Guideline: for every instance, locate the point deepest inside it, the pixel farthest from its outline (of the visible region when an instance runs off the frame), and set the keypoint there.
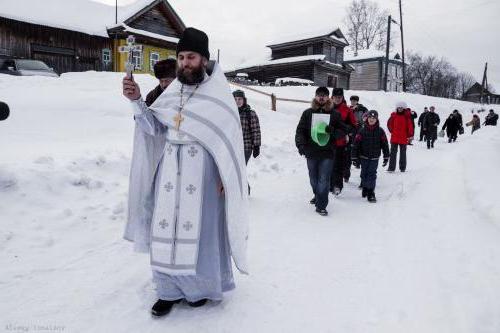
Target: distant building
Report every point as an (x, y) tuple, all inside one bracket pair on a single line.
[(81, 35), (478, 94), (315, 57), (369, 70)]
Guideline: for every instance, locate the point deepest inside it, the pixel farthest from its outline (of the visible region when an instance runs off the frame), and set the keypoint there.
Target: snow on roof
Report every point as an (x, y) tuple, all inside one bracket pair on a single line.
[(149, 34), (281, 61), (293, 79), (307, 35), (85, 16), (367, 54)]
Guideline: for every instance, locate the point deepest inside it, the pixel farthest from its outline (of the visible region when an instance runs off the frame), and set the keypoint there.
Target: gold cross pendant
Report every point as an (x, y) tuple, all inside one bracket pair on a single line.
[(178, 119)]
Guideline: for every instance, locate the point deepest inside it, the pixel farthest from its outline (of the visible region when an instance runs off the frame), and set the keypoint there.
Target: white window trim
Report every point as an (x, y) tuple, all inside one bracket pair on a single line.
[(108, 53), (151, 64), (138, 59)]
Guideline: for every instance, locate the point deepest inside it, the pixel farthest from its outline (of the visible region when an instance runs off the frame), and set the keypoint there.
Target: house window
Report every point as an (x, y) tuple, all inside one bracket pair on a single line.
[(309, 50), (332, 81), (154, 57), (333, 54), (137, 60), (106, 56)]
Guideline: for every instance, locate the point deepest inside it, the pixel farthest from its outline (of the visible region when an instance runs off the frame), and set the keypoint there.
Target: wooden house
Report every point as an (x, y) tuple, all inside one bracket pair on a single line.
[(81, 35), (317, 57), (369, 70), (478, 94)]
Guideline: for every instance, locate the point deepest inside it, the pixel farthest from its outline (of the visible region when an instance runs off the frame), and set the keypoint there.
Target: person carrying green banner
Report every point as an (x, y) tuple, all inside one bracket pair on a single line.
[(313, 139)]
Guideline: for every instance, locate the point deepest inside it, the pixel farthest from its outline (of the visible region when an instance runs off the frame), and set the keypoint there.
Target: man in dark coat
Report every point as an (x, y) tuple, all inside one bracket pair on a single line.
[(165, 72), (342, 165), (431, 123), (319, 157), (369, 141), (491, 119), (401, 129), (451, 125), (421, 123), (460, 121)]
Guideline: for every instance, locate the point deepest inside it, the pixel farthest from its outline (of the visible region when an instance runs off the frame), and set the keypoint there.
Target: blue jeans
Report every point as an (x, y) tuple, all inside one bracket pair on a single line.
[(319, 175), (369, 173)]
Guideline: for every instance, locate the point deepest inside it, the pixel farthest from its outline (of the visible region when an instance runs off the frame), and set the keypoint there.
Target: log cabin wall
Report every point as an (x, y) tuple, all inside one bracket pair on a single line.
[(63, 50)]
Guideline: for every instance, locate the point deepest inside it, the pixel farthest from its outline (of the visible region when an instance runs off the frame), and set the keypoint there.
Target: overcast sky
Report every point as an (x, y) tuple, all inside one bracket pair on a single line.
[(463, 31)]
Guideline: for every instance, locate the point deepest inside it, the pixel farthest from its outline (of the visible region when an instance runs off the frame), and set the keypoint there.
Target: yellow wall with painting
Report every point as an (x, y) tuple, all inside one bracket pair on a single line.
[(121, 58)]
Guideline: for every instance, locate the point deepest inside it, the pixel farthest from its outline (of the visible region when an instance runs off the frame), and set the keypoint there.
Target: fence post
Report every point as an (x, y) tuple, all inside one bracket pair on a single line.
[(273, 102)]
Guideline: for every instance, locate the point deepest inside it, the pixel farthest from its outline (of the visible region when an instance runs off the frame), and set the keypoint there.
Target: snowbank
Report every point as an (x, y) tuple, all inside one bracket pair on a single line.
[(425, 258)]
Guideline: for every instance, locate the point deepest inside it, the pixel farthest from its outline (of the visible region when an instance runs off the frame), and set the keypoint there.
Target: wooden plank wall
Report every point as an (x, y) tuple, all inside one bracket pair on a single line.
[(16, 39)]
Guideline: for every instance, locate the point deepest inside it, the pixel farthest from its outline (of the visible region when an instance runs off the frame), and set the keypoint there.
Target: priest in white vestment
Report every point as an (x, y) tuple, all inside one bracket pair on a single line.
[(187, 195)]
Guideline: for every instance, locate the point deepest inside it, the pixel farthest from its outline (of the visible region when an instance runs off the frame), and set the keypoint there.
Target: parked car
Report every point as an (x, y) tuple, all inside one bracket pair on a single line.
[(25, 67)]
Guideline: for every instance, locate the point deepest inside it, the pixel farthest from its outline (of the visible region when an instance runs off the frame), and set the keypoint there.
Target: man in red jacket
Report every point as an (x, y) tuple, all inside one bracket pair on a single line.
[(401, 128), (342, 162)]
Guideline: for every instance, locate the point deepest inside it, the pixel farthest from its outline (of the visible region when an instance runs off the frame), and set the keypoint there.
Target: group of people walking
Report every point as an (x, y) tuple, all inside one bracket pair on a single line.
[(333, 136)]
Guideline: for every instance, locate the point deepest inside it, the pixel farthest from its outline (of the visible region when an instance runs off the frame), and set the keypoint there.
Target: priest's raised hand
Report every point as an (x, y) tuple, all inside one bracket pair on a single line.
[(131, 89)]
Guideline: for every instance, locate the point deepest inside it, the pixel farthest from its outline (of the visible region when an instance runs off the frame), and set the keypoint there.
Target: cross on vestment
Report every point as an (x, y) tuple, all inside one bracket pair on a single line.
[(178, 119)]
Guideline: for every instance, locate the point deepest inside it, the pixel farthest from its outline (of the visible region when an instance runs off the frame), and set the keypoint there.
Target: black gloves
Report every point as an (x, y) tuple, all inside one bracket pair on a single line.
[(356, 163), (256, 151), (302, 150), (386, 160)]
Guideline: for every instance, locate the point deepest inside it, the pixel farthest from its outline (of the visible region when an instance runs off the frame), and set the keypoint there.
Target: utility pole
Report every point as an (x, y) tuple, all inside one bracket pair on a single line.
[(386, 76), (484, 84), (218, 55), (402, 45), (116, 12)]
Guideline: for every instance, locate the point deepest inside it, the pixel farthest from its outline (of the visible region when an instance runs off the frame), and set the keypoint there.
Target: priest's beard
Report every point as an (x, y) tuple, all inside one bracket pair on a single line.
[(191, 76)]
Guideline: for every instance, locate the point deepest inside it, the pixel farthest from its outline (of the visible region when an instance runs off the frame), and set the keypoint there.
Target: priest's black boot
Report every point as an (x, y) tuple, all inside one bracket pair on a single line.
[(197, 304), (162, 307)]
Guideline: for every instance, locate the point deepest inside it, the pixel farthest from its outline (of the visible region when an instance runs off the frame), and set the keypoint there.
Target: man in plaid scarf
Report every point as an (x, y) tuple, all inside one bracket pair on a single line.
[(249, 124)]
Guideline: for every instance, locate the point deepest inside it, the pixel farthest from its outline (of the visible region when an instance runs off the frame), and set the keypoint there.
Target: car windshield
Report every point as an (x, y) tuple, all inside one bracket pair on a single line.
[(31, 65)]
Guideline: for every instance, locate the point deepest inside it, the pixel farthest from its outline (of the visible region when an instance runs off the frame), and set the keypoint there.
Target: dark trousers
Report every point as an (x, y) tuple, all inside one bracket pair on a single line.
[(422, 134), (394, 154), (452, 136), (430, 142), (338, 168), (248, 154), (319, 176), (347, 162), (369, 173)]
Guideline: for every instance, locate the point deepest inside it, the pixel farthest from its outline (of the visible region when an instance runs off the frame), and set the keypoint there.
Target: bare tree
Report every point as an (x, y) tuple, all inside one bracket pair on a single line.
[(366, 25), (354, 22), (375, 26), (465, 81), (436, 77)]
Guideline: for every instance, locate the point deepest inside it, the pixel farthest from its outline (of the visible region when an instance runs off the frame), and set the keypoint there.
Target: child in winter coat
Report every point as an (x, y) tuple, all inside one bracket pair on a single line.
[(368, 143), (475, 123)]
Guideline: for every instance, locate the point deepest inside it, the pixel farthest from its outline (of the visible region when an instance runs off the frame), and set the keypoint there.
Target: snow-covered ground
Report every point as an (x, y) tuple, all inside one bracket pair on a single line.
[(425, 258)]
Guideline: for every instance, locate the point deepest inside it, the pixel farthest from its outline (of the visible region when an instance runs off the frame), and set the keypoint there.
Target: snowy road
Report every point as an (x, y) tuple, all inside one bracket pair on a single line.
[(425, 258)]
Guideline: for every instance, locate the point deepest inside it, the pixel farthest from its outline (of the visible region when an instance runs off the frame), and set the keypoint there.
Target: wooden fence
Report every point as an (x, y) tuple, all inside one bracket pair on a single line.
[(274, 98)]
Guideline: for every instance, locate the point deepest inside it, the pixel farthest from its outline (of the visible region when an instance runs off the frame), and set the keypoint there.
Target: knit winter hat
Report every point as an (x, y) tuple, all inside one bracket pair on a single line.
[(165, 68), (338, 92), (194, 40), (372, 113), (322, 91), (239, 93), (401, 104)]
